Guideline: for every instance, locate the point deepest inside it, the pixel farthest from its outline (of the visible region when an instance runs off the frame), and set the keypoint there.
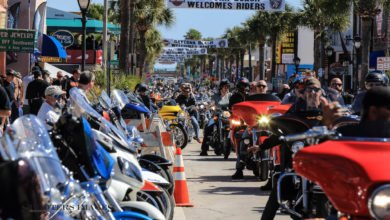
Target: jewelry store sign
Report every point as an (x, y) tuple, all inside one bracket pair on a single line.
[(18, 40)]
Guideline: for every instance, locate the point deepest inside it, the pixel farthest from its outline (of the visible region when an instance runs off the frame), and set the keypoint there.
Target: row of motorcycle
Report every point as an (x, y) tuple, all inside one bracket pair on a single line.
[(317, 173), (87, 166)]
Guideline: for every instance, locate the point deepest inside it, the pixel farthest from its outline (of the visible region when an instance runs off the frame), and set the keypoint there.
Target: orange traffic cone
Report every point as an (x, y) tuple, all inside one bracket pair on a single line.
[(181, 194)]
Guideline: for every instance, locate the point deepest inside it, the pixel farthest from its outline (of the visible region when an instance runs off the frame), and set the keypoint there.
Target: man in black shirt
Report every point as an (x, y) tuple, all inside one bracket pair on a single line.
[(35, 92), (59, 80), (241, 94)]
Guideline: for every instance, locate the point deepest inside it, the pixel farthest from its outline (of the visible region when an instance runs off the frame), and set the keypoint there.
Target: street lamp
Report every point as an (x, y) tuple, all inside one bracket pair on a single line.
[(296, 61), (84, 5), (329, 52), (357, 42)]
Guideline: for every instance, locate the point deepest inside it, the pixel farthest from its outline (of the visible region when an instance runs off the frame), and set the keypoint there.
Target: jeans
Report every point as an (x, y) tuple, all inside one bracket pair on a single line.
[(195, 124), (208, 130)]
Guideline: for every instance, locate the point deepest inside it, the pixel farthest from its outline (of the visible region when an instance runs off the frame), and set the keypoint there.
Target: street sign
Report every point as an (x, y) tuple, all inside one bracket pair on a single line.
[(65, 37), (18, 40), (383, 63), (114, 64)]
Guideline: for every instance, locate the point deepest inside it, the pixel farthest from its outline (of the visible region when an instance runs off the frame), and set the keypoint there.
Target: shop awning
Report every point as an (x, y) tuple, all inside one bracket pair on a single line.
[(74, 25), (51, 47)]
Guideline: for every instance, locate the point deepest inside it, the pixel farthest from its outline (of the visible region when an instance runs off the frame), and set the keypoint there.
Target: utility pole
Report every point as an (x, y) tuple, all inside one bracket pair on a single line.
[(105, 48)]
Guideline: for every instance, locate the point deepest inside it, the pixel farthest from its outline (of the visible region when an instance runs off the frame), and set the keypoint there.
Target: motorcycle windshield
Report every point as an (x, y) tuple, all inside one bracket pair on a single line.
[(80, 107), (34, 143), (119, 98), (105, 100), (122, 100)]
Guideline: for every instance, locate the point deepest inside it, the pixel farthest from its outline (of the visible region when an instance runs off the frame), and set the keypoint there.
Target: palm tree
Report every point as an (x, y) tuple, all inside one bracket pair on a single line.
[(154, 46), (194, 62), (124, 38), (323, 16), (148, 14), (236, 46)]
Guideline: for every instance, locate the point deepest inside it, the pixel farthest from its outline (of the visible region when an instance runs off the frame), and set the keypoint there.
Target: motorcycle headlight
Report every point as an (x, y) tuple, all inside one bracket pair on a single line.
[(213, 108), (247, 141), (379, 202), (226, 114), (264, 120), (296, 146), (201, 106), (129, 169), (236, 122)]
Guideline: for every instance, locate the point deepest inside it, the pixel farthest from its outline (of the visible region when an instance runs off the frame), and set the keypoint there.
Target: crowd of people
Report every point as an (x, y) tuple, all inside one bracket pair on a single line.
[(37, 93)]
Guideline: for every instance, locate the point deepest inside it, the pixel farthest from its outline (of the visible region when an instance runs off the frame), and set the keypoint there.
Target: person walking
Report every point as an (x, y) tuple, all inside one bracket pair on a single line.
[(19, 98), (9, 87), (36, 92)]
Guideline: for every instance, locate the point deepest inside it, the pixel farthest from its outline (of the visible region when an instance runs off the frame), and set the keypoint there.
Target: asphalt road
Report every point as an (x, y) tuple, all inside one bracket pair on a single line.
[(214, 194)]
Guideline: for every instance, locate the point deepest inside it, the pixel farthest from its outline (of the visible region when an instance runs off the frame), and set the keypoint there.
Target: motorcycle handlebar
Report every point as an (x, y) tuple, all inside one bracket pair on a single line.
[(316, 132)]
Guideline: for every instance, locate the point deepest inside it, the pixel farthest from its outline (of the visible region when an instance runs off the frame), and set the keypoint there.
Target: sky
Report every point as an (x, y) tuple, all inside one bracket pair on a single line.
[(211, 23)]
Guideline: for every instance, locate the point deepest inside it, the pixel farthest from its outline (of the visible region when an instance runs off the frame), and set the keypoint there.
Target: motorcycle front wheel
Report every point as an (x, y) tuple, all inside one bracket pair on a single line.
[(180, 134)]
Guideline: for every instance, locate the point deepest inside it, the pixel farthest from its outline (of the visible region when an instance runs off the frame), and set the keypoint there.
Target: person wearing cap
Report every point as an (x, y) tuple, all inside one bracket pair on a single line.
[(295, 93), (35, 92), (72, 82), (47, 112), (308, 109)]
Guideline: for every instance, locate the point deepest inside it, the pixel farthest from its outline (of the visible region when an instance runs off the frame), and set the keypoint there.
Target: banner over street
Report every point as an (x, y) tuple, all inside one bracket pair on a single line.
[(257, 5), (218, 43)]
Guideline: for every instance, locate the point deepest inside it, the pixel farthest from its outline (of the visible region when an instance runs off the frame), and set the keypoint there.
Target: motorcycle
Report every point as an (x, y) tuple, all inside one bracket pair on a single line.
[(152, 162), (219, 138), (128, 174), (174, 117), (257, 113), (372, 181)]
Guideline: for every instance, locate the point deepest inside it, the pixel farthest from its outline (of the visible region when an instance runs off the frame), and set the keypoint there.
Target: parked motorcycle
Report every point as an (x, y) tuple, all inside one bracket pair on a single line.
[(174, 117), (124, 153)]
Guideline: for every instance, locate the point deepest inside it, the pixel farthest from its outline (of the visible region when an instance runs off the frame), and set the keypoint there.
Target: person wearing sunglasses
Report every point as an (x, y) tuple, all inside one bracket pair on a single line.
[(308, 110), (372, 80), (335, 91), (47, 112), (261, 87)]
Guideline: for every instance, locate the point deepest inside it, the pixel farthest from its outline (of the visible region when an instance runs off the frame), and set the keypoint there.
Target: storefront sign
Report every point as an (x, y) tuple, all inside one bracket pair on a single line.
[(64, 37), (288, 48), (51, 59), (218, 43), (18, 40), (91, 56), (383, 63), (257, 5)]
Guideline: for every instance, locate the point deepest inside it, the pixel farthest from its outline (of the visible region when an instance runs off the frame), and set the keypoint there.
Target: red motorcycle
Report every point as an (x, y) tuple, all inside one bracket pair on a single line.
[(251, 119), (352, 172)]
